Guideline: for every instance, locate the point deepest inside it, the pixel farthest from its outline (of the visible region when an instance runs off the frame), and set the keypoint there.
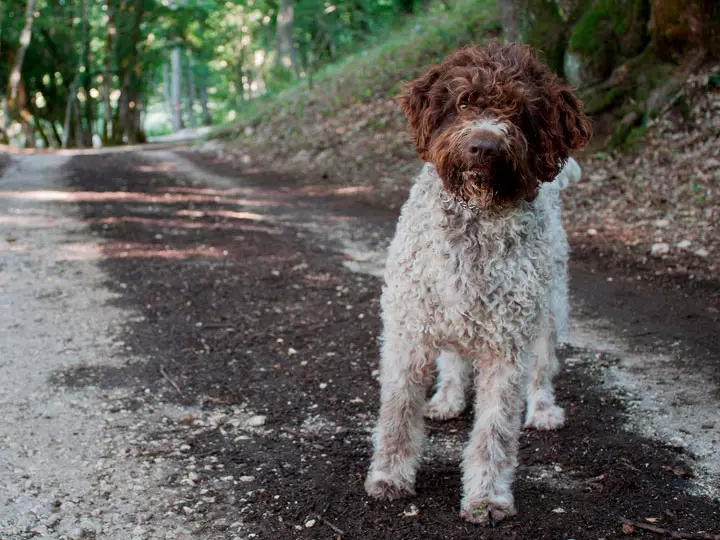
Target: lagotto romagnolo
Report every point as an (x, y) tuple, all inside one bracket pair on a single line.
[(476, 276)]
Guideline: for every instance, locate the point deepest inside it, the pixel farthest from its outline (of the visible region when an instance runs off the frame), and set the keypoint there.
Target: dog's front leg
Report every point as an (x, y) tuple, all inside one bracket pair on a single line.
[(399, 436), (491, 455)]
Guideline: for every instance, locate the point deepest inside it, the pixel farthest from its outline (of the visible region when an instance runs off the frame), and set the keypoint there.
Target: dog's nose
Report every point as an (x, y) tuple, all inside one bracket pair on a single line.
[(479, 145)]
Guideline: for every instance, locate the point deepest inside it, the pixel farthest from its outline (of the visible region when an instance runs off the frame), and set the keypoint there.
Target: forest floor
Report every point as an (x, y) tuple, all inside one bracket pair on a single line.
[(189, 349)]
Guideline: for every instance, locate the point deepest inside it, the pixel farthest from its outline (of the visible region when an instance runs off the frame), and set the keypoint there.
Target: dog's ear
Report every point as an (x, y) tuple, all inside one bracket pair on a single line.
[(565, 129), (415, 102), (573, 123)]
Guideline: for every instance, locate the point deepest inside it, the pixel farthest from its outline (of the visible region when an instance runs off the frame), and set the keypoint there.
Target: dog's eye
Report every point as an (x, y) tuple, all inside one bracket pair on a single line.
[(463, 104)]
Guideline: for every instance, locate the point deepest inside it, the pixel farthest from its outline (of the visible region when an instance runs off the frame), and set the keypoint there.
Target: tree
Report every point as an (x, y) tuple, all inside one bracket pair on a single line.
[(287, 56)]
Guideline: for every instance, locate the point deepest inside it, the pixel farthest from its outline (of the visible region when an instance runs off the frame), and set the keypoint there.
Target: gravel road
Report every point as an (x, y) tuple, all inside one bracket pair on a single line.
[(190, 351)]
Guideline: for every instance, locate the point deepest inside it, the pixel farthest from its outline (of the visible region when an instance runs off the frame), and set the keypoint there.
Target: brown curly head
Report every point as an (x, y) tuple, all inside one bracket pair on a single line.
[(495, 121)]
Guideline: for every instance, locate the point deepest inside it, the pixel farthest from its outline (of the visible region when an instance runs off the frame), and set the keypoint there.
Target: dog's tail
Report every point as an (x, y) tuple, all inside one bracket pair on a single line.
[(569, 174)]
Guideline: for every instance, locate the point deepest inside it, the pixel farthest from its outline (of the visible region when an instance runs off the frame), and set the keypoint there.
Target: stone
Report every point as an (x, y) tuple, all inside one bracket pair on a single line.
[(660, 249)]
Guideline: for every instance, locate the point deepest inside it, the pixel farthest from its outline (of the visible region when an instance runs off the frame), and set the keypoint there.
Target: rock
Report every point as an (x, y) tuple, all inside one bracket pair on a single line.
[(662, 223), (76, 533), (712, 163), (412, 511), (256, 421), (247, 479), (323, 156), (659, 249), (702, 252), (592, 232), (310, 523), (303, 156), (52, 521), (684, 244)]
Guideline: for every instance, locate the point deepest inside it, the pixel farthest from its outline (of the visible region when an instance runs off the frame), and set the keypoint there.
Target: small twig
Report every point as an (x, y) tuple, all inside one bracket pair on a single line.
[(336, 529), (215, 325), (668, 532), (168, 379)]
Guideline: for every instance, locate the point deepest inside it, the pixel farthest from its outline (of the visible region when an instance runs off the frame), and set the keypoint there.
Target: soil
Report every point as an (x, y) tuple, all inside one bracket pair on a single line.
[(254, 324)]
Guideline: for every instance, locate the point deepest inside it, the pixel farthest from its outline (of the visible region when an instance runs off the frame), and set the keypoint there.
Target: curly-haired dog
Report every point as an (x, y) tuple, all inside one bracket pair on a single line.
[(476, 276)]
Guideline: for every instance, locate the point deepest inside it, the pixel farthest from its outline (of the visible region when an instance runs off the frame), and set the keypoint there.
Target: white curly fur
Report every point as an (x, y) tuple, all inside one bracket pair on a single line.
[(480, 291)]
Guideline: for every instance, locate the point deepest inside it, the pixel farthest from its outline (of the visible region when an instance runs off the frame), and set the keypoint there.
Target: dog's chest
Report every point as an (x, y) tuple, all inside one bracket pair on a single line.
[(461, 275), (494, 264)]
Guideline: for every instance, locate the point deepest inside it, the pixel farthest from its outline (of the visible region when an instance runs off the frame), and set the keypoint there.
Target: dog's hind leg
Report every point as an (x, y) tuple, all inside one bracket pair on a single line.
[(400, 434), (542, 413), (453, 381)]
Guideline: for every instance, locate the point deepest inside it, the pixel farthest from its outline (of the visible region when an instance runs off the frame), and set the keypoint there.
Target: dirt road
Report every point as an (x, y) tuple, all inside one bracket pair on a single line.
[(190, 351)]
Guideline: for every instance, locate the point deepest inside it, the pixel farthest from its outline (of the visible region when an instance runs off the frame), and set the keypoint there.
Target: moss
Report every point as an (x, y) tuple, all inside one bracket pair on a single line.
[(543, 27), (608, 32), (626, 138), (597, 100)]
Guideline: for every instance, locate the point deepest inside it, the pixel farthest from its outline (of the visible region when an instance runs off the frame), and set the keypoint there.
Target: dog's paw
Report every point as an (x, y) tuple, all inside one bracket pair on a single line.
[(445, 406), (487, 510), (549, 418), (383, 486)]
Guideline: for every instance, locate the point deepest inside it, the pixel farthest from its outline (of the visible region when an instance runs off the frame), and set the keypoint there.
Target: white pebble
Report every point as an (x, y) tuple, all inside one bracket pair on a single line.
[(659, 249)]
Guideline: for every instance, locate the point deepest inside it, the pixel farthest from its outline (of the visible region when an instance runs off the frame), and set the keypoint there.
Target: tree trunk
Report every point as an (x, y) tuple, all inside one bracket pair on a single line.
[(166, 89), (25, 36), (72, 98), (190, 90), (72, 105), (38, 124), (87, 83), (121, 123), (107, 108), (678, 27), (79, 140), (56, 134), (287, 56), (207, 117), (175, 75)]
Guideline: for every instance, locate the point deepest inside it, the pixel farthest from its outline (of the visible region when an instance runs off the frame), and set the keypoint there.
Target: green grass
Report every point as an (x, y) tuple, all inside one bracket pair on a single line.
[(379, 70)]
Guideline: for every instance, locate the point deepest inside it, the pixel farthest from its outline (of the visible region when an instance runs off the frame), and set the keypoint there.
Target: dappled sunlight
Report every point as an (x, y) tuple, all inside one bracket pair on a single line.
[(157, 167), (252, 216), (221, 194), (166, 224), (33, 222), (13, 247), (151, 251), (161, 197), (337, 191), (80, 251), (211, 191)]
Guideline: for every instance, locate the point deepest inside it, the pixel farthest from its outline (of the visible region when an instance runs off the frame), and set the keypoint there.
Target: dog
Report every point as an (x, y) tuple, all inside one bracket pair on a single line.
[(476, 275)]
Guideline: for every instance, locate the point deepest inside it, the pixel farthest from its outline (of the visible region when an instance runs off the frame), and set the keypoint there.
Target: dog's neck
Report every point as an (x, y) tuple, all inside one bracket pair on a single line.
[(456, 205)]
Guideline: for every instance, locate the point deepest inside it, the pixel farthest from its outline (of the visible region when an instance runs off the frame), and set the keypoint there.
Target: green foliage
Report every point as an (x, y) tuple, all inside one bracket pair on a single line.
[(713, 80), (227, 48), (379, 70)]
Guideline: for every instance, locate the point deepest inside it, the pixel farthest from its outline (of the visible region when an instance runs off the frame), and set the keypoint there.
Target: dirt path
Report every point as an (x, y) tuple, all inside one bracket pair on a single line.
[(188, 353)]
